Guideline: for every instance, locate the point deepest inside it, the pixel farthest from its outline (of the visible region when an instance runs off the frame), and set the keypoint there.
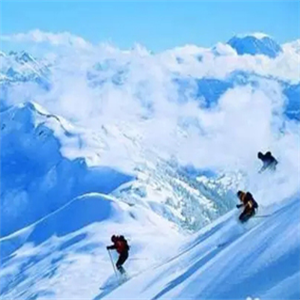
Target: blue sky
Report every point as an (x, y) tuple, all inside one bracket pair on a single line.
[(158, 25)]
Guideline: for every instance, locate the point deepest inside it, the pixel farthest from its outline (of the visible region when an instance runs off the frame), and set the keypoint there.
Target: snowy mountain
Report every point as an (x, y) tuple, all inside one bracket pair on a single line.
[(34, 170), (56, 153), (153, 147), (209, 90), (22, 67), (255, 44)]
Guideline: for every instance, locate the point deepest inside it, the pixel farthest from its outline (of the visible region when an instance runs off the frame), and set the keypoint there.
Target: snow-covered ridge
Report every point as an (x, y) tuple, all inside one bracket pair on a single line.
[(73, 235), (22, 67), (30, 143), (80, 212)]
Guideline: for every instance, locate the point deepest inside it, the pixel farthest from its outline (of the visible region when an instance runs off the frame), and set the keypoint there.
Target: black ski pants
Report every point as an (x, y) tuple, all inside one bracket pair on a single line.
[(246, 215), (122, 258)]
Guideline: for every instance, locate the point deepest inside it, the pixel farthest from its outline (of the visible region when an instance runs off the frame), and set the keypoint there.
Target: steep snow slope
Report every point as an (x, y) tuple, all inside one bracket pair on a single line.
[(227, 260), (175, 194), (64, 256)]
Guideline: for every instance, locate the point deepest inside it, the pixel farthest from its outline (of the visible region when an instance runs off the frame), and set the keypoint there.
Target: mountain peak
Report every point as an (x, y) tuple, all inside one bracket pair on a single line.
[(255, 43), (22, 57)]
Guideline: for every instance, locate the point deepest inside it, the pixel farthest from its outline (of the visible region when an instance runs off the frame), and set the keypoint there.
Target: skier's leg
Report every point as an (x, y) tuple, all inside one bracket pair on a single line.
[(122, 258), (242, 216), (246, 215), (121, 270)]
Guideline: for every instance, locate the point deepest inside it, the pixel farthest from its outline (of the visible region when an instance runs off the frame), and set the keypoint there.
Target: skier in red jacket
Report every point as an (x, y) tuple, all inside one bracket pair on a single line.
[(121, 246)]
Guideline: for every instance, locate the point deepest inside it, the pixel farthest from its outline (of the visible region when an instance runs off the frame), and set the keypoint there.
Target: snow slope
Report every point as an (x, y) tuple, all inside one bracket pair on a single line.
[(227, 260), (63, 255)]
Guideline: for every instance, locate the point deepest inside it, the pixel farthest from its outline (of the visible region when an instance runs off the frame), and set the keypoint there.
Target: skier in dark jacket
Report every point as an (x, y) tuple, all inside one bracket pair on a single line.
[(121, 246), (269, 161), (249, 205)]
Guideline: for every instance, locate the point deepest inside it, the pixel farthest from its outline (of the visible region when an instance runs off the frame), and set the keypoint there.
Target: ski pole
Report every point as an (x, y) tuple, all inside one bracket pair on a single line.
[(113, 264)]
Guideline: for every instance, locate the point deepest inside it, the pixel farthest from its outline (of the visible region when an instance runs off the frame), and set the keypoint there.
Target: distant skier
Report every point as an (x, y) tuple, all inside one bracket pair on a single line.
[(269, 161), (122, 247), (249, 204)]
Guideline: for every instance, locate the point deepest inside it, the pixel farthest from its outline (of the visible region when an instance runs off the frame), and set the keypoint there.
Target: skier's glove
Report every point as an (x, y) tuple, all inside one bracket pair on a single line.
[(239, 205)]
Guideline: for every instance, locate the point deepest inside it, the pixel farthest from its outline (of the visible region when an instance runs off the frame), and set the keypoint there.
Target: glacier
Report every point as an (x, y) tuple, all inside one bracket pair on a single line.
[(154, 147)]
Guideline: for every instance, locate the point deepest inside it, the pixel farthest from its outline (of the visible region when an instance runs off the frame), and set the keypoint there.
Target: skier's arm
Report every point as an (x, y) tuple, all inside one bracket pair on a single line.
[(111, 247), (239, 205), (249, 204)]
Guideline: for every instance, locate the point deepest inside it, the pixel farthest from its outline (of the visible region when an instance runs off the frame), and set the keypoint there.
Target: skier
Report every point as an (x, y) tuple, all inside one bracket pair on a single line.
[(269, 161), (249, 205), (122, 247)]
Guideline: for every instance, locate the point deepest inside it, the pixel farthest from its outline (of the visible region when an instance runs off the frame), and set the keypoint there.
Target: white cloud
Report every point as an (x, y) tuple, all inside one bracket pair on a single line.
[(55, 39), (224, 49), (147, 101), (189, 60), (293, 47), (258, 35)]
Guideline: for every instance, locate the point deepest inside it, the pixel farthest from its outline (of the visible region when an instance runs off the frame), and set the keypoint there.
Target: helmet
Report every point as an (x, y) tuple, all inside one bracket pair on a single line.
[(113, 238), (239, 194)]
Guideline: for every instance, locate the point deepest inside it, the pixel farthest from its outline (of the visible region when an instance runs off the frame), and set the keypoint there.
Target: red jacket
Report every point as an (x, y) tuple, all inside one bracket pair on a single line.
[(120, 245)]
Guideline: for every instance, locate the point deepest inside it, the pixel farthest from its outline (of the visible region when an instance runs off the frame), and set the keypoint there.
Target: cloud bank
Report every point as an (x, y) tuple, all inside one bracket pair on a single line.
[(55, 39), (155, 98)]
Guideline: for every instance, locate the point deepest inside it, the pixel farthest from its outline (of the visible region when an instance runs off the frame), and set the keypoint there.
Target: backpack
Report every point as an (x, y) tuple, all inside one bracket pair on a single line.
[(122, 239), (251, 199), (255, 205)]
